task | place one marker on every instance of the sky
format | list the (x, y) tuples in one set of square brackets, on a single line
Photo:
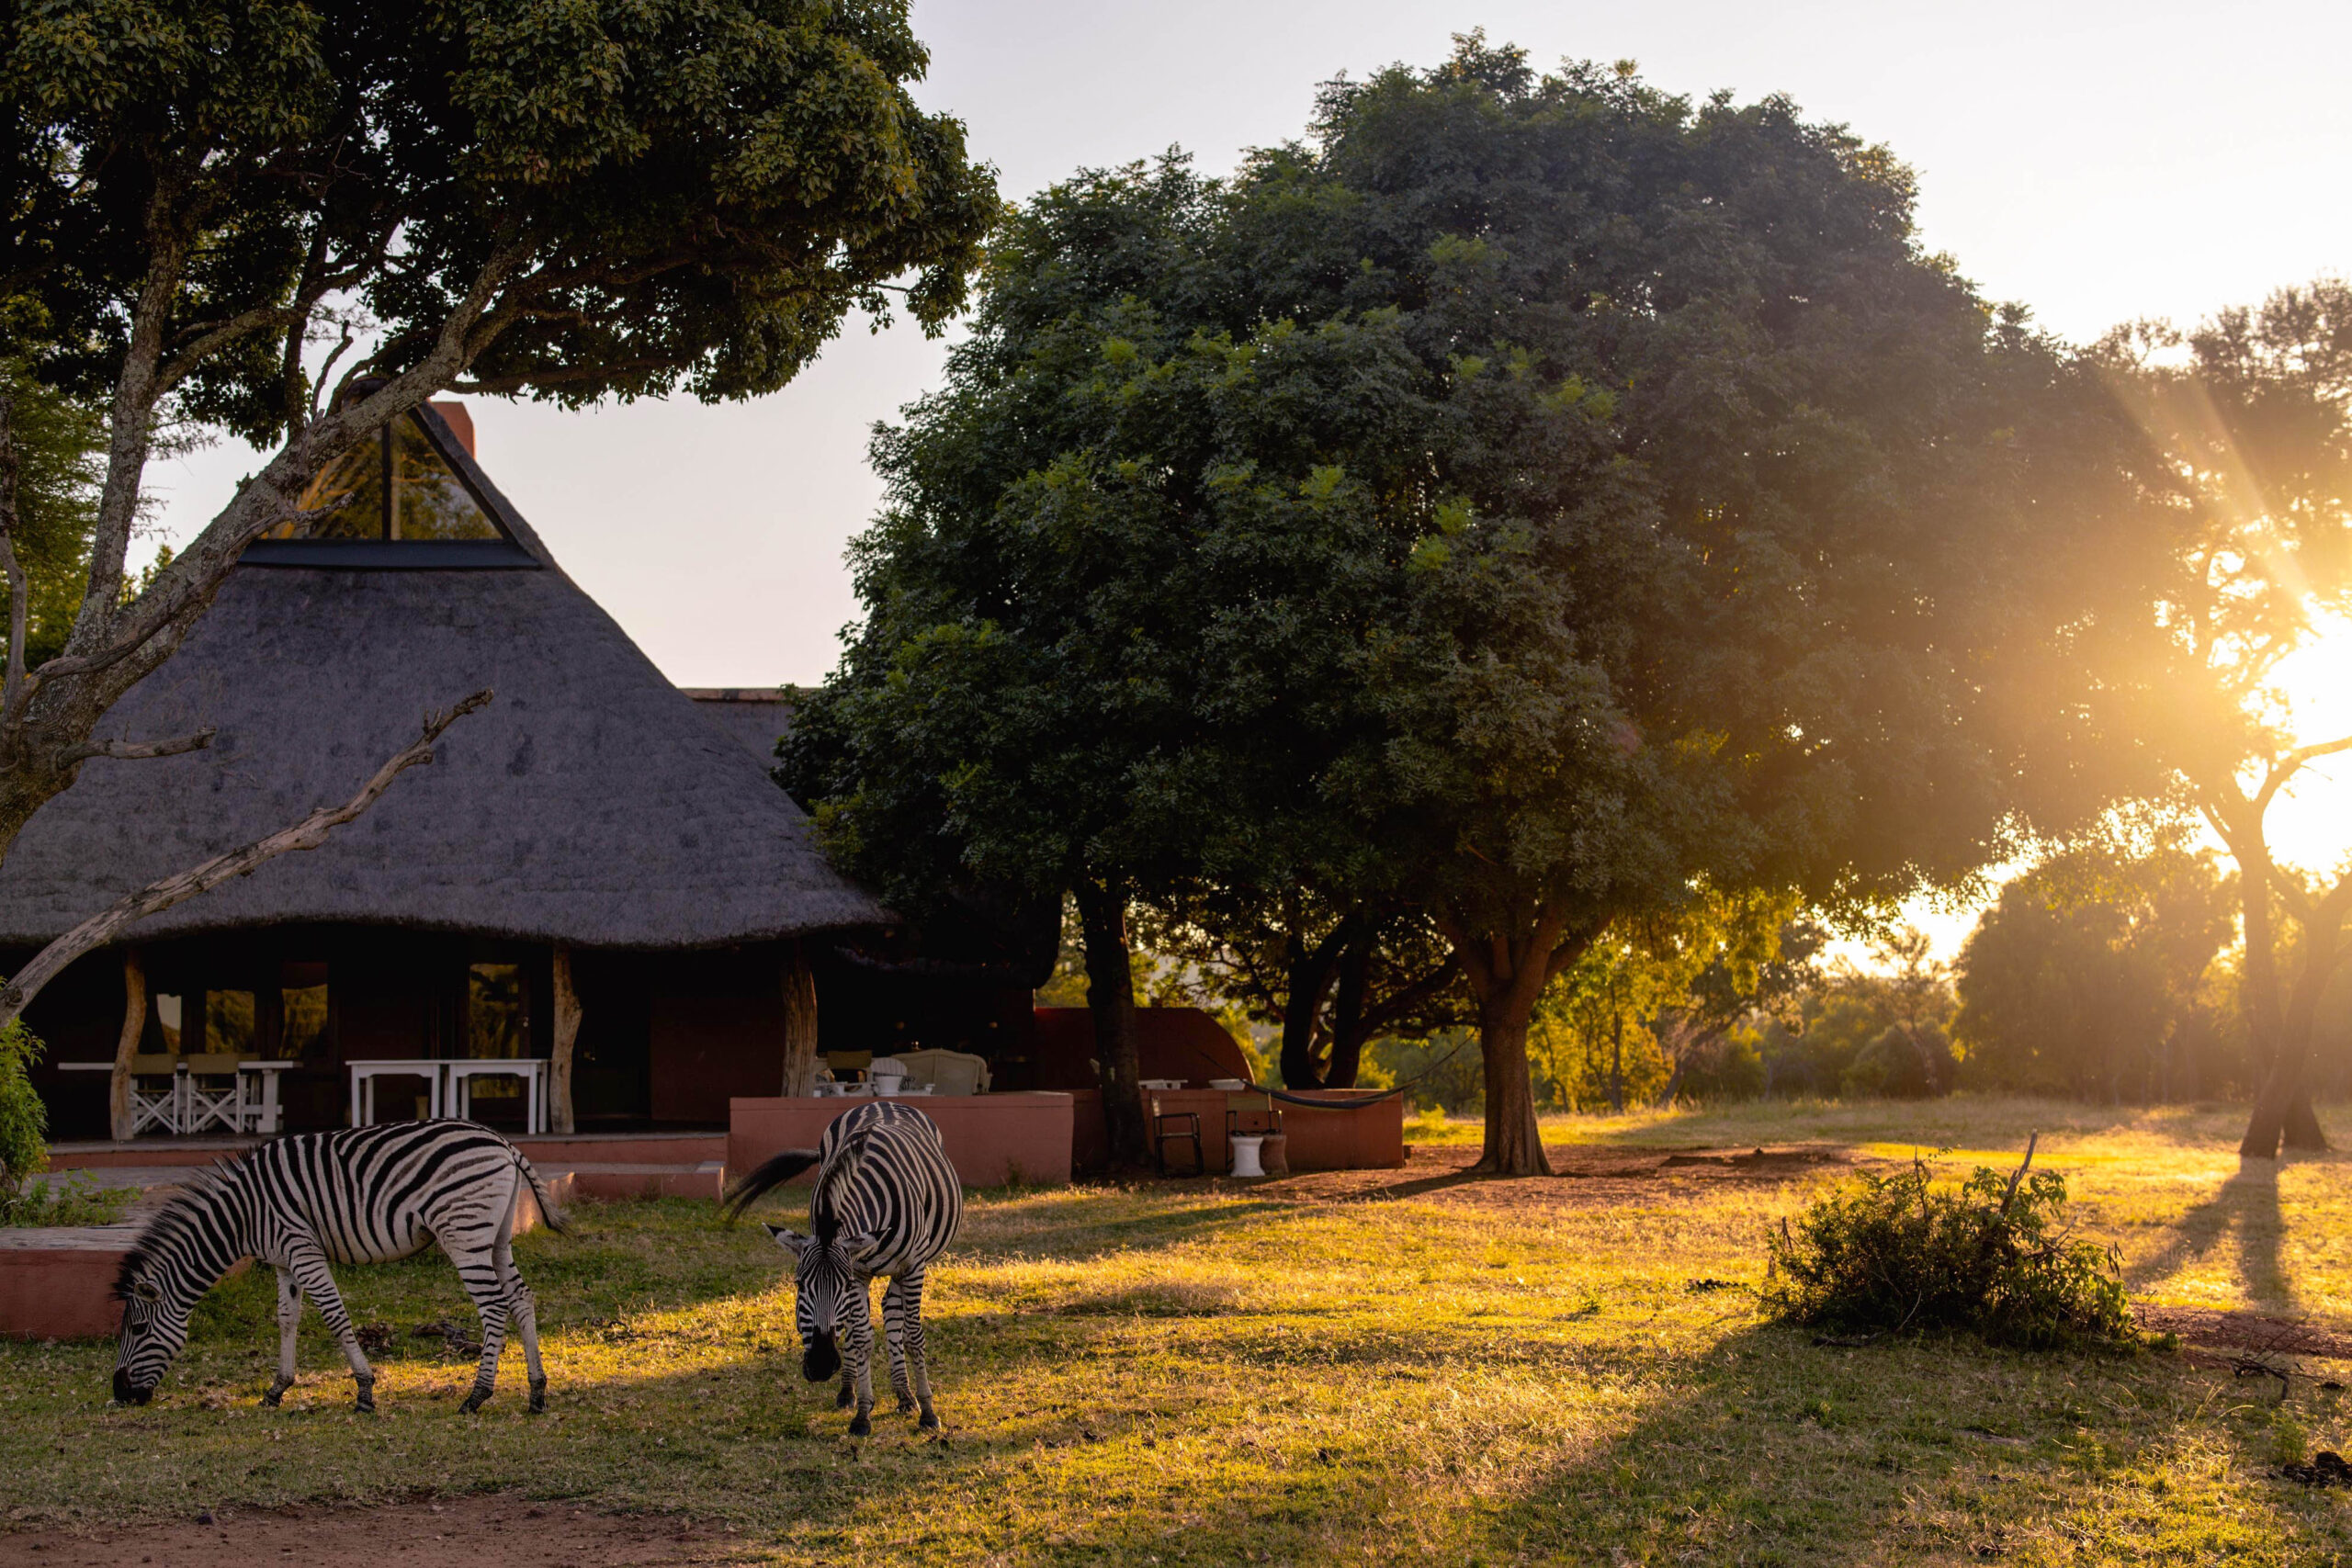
[(2096, 162)]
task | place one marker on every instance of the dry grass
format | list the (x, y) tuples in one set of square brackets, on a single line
[(1209, 1375)]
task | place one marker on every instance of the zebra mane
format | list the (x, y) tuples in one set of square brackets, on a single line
[(203, 1189), (824, 1211)]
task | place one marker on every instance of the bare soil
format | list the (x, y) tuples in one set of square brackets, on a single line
[(2250, 1332), (501, 1529), (1583, 1178)]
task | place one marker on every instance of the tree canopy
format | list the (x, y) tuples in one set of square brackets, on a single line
[(1535, 500)]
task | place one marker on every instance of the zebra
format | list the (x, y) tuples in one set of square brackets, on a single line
[(886, 1203), (362, 1195)]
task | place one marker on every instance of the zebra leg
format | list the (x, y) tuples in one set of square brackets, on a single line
[(842, 1401), (894, 1334), (918, 1363), (289, 1319), (480, 1276), (310, 1273), (858, 1346), (525, 1309)]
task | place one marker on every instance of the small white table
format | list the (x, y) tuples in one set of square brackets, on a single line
[(258, 1103), (362, 1083), (449, 1085), (532, 1070)]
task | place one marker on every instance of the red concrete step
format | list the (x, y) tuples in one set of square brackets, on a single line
[(57, 1282), (582, 1149), (625, 1178)]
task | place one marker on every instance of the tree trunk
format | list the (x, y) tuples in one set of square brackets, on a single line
[(1617, 1062), (799, 1023), (1514, 1145), (2282, 1111), (1350, 1023), (561, 1117), (134, 1024), (1308, 974), (1111, 998)]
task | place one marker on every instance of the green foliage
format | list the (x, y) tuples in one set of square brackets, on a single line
[(1443, 1068), (1732, 1068), (75, 1200), (1902, 1064), (1902, 1254), (2092, 975), (58, 442), (686, 196), (24, 1121)]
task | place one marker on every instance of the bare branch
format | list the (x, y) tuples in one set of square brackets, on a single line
[(138, 750), (156, 897), (2290, 764)]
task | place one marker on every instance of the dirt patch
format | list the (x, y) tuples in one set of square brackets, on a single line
[(2247, 1333), (1583, 1176), (486, 1530)]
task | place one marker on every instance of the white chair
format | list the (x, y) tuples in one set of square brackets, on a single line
[(216, 1093), (947, 1072), (154, 1092)]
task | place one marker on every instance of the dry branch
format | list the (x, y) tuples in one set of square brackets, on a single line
[(156, 897)]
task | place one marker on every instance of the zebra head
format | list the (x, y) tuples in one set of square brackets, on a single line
[(154, 1327), (830, 1295)]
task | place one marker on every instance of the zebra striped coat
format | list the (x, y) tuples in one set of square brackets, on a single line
[(886, 1203), (364, 1195)]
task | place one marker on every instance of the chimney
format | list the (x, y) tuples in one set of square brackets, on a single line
[(461, 425)]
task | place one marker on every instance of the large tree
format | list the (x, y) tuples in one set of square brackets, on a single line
[(2249, 446), (571, 200), (1532, 501)]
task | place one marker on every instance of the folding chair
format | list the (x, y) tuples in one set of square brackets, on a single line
[(154, 1092), (216, 1093), (1176, 1127), (1259, 1107)]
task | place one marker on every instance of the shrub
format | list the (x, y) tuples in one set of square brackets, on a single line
[(24, 1121), (1900, 1066), (1897, 1253)]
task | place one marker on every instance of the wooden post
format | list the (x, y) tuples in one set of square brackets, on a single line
[(799, 1023), (134, 1024), (567, 1035)]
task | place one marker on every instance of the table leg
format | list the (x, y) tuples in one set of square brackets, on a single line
[(269, 1104)]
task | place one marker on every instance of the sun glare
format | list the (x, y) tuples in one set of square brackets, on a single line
[(2310, 823)]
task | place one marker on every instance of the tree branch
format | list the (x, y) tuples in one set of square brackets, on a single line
[(156, 897), (138, 750)]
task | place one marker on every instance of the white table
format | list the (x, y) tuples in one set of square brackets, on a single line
[(532, 1070), (449, 1084), (362, 1083)]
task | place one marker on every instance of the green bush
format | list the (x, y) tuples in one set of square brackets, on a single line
[(1898, 1067), (1898, 1253), (24, 1121)]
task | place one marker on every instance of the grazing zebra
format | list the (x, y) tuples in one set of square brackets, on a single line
[(886, 1203), (364, 1195)]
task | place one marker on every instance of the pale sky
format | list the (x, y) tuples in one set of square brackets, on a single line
[(2096, 160)]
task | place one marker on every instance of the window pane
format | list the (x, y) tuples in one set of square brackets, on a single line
[(496, 1023), (359, 475), (305, 1020), (229, 1022), (168, 1022), (428, 500)]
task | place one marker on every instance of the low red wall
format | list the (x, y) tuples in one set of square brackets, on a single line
[(58, 1283), (1372, 1138), (989, 1137)]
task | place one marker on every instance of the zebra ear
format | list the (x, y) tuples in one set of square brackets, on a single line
[(791, 1241), (859, 1244)]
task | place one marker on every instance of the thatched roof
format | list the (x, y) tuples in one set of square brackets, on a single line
[(757, 717), (591, 803)]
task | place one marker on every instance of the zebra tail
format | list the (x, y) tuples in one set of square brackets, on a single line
[(548, 1210), (773, 1172)]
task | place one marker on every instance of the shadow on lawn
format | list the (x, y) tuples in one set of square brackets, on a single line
[(2244, 1206), (1771, 1449)]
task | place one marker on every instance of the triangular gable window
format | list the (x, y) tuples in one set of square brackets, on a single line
[(426, 499)]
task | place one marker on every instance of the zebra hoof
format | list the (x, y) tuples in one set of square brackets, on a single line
[(860, 1426), (366, 1404), (540, 1397), (473, 1401), (841, 1400), (270, 1401), (905, 1402), (930, 1421)]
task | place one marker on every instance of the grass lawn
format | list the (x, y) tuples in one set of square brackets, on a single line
[(1458, 1373)]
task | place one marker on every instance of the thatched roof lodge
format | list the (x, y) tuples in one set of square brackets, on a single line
[(596, 851)]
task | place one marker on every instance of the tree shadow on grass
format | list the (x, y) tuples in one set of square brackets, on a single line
[(1771, 1449), (2245, 1207)]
